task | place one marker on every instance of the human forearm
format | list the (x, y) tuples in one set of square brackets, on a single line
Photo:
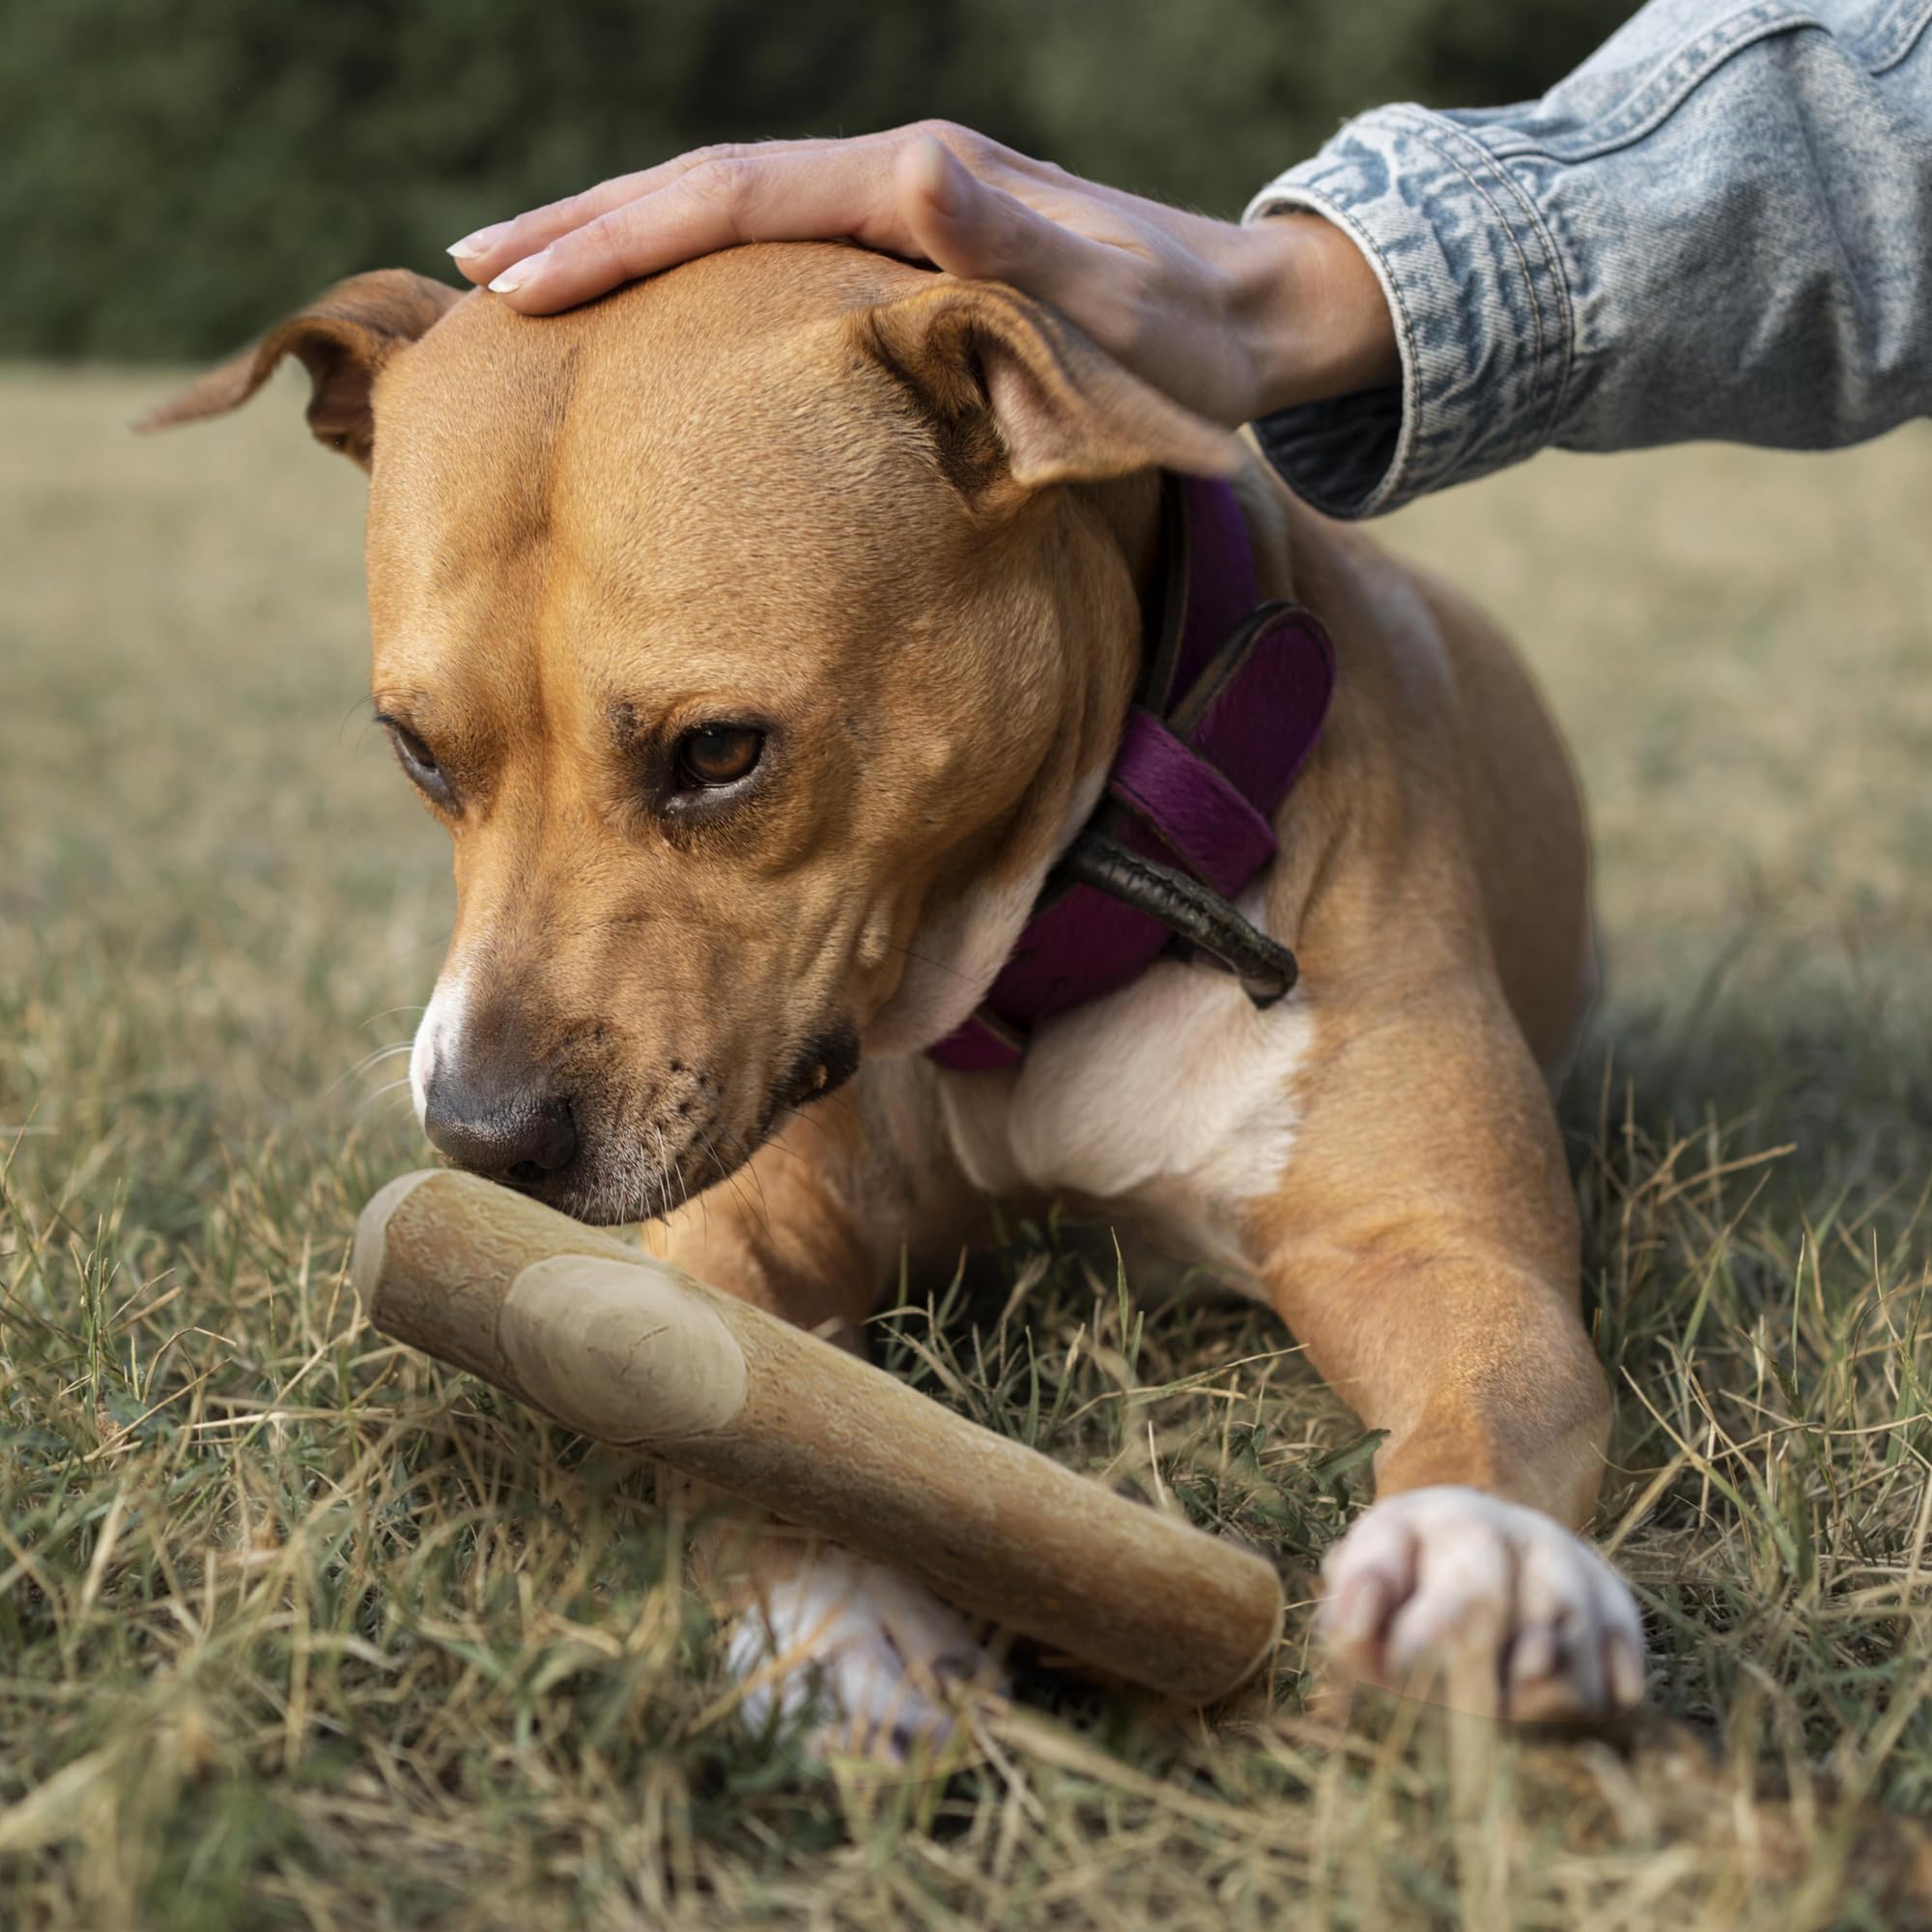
[(1316, 315), (1722, 226)]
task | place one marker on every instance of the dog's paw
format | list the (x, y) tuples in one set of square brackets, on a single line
[(1456, 1596), (876, 1663)]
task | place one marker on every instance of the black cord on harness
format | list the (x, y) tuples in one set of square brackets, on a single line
[(1195, 912)]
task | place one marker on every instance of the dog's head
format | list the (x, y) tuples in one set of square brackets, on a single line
[(759, 633)]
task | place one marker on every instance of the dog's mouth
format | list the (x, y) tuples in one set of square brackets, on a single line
[(628, 1168), (821, 1067)]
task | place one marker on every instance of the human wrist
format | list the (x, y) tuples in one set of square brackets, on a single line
[(1316, 318)]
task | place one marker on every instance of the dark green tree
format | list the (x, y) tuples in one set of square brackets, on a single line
[(178, 172)]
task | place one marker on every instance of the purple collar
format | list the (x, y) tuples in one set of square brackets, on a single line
[(1233, 698)]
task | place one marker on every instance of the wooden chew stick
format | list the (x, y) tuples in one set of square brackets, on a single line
[(630, 1350)]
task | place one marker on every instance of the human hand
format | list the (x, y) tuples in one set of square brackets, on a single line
[(1233, 322)]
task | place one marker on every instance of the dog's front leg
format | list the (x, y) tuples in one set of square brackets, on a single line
[(813, 1229), (1424, 1248)]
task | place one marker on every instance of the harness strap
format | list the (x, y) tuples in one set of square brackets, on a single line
[(1198, 811), (1231, 707)]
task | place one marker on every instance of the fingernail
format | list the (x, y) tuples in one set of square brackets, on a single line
[(479, 243), (517, 274)]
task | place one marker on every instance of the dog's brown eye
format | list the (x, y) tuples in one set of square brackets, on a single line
[(717, 755)]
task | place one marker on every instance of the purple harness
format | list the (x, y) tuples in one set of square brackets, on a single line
[(1232, 704)]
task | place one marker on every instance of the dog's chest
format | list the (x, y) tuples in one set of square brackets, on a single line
[(1172, 1099)]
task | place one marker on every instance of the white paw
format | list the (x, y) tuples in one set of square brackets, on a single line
[(1452, 1595), (878, 1660)]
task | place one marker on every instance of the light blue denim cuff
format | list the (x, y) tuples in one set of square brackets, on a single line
[(1482, 312)]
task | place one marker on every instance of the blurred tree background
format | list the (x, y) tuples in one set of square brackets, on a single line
[(180, 172)]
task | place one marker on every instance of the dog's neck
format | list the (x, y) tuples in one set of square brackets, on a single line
[(1233, 690), (1131, 508)]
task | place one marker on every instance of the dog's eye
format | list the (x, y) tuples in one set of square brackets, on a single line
[(418, 762), (717, 755)]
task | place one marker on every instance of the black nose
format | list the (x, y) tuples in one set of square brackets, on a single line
[(514, 1137)]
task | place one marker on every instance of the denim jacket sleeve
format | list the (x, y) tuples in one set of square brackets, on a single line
[(1720, 226)]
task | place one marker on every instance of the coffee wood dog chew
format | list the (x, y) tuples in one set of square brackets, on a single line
[(632, 1351)]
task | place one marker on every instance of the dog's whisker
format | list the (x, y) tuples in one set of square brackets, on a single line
[(363, 1065), (774, 1143), (730, 1177), (736, 1186), (746, 1164), (389, 1012), (751, 1167), (381, 1094), (937, 965), (382, 1053), (770, 1142), (663, 1175), (802, 1117)]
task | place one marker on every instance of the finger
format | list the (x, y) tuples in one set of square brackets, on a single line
[(970, 228), (842, 189), (1091, 260), (489, 250), (1088, 210)]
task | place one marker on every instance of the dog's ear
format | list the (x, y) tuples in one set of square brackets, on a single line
[(1014, 390), (343, 338)]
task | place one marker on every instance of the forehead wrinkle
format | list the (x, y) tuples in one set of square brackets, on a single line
[(703, 596), (550, 433), (744, 453), (460, 536)]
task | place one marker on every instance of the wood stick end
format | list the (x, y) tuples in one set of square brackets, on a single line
[(370, 1253)]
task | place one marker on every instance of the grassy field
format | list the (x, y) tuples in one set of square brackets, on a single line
[(298, 1630)]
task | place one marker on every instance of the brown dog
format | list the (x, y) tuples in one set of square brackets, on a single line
[(763, 635)]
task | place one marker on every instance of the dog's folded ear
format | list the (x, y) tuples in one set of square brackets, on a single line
[(343, 338), (1014, 390)]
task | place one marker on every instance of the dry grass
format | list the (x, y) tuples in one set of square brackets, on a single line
[(298, 1630)]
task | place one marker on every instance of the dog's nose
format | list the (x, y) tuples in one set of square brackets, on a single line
[(518, 1138)]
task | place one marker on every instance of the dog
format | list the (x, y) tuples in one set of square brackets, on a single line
[(769, 637)]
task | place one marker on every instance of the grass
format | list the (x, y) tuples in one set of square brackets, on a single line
[(299, 1629)]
